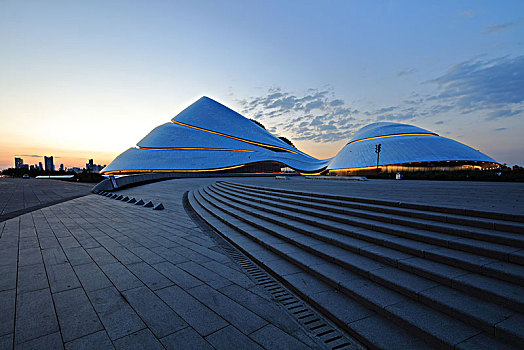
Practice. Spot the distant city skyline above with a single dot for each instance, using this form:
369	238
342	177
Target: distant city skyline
49	165
86	80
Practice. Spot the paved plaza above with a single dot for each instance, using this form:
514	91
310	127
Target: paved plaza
94	272
21	195
98	273
504	197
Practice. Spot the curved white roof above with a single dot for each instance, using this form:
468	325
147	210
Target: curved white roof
400	144
212	116
387	128
138	160
208	136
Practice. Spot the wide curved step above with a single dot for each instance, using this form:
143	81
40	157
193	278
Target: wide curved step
419	291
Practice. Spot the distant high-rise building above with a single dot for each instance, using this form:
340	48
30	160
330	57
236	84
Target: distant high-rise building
48	161
93	168
31	167
18	163
61	167
40	166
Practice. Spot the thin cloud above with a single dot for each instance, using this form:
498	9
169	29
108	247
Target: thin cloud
469	13
314	115
498	28
475	85
29	155
493	89
406	72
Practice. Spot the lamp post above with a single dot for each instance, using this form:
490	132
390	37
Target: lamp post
377	151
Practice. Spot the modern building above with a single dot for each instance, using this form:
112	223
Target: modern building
48	162
18	163
40	166
209	137
393	147
93	168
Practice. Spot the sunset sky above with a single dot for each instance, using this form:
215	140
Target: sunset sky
89	79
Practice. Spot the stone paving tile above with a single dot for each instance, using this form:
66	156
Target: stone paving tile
29	243
205	275
77	256
191	254
6	341
201	318
266	309
239	316
121	277
75	314
101	256
7	311
68	242
270	337
154	312
118	318
149	276
32	277
54	256
92	277
50	341
35	315
186	339
29	256
8	256
170	255
7	277
231	274
231	338
124	255
62	277
98	341
177	275
140	340
147	255
48	242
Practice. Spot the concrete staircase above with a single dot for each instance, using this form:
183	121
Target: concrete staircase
393	275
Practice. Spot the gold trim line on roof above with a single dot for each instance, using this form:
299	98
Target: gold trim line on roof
392	135
235	138
193	149
120	172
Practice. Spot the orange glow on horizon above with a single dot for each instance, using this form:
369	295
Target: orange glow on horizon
35	154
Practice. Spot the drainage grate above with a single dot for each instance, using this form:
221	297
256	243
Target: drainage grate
325	332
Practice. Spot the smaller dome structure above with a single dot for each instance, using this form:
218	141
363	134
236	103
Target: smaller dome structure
404	148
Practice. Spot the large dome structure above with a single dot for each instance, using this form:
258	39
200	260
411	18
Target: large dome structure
404	147
209	137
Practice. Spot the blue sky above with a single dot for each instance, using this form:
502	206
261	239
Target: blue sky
90	79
